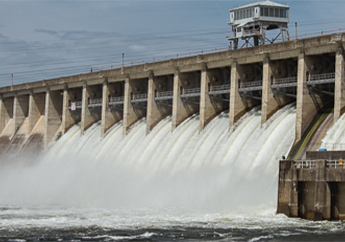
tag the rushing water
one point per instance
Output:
(161, 187)
(335, 137)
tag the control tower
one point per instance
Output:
(253, 20)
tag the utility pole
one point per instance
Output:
(296, 30)
(123, 63)
(12, 79)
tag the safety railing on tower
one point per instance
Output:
(250, 86)
(164, 95)
(139, 98)
(284, 82)
(321, 78)
(335, 164)
(191, 92)
(95, 102)
(221, 89)
(116, 100)
(302, 164)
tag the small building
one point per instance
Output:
(253, 20)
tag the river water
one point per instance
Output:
(166, 186)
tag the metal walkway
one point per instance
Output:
(192, 92)
(222, 89)
(250, 86)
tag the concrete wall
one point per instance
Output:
(269, 61)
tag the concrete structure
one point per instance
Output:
(313, 188)
(308, 71)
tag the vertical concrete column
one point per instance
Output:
(208, 109)
(109, 117)
(180, 110)
(154, 113)
(339, 89)
(287, 189)
(322, 199)
(6, 112)
(36, 109)
(20, 111)
(237, 107)
(2, 115)
(305, 106)
(130, 114)
(269, 104)
(67, 119)
(53, 115)
(87, 116)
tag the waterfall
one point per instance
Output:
(335, 137)
(210, 171)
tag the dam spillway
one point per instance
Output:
(183, 169)
(308, 72)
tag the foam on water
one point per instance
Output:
(215, 178)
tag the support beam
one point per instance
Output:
(268, 104)
(306, 106)
(238, 107)
(339, 89)
(36, 109)
(53, 114)
(155, 112)
(131, 113)
(20, 111)
(109, 117)
(209, 108)
(181, 109)
(88, 115)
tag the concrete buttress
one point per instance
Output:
(339, 89)
(237, 106)
(53, 114)
(155, 112)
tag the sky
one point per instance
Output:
(44, 39)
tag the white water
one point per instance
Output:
(210, 171)
(156, 184)
(335, 137)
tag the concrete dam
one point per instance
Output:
(307, 72)
(207, 129)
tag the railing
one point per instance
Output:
(335, 164)
(300, 164)
(139, 97)
(220, 89)
(77, 105)
(321, 78)
(284, 82)
(334, 146)
(116, 100)
(164, 95)
(249, 86)
(95, 102)
(192, 92)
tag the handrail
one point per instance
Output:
(335, 164)
(139, 96)
(95, 101)
(165, 94)
(251, 84)
(300, 164)
(285, 80)
(220, 88)
(191, 91)
(322, 76)
(116, 99)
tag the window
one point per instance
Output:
(265, 11)
(276, 11)
(271, 12)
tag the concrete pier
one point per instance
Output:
(53, 115)
(313, 188)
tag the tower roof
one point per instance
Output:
(267, 3)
